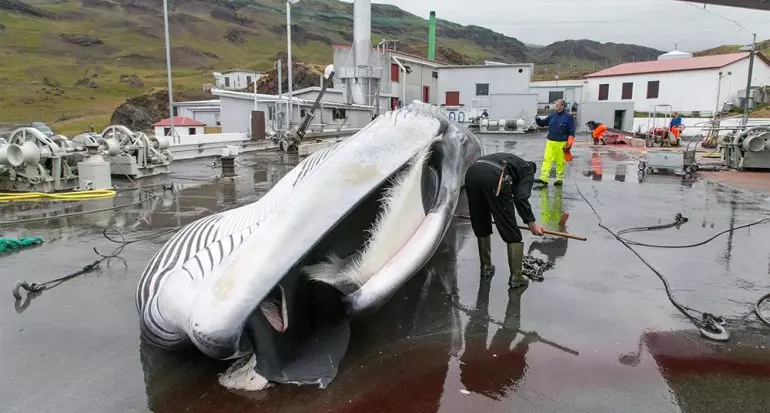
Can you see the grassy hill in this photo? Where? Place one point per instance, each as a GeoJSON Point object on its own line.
{"type": "Point", "coordinates": [72, 62]}
{"type": "Point", "coordinates": [762, 47]}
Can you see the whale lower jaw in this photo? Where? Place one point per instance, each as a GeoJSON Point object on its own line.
{"type": "Point", "coordinates": [401, 267]}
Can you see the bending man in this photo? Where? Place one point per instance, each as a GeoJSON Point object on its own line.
{"type": "Point", "coordinates": [597, 131]}
{"type": "Point", "coordinates": [561, 135]}
{"type": "Point", "coordinates": [481, 185]}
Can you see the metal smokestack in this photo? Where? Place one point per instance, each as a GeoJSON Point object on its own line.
{"type": "Point", "coordinates": [362, 43]}
{"type": "Point", "coordinates": [362, 31]}
{"type": "Point", "coordinates": [432, 37]}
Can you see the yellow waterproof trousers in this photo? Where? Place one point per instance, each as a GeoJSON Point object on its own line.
{"type": "Point", "coordinates": [554, 152]}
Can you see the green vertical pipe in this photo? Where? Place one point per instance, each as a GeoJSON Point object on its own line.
{"type": "Point", "coordinates": [432, 37]}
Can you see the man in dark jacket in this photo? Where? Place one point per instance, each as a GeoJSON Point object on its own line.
{"type": "Point", "coordinates": [499, 185]}
{"type": "Point", "coordinates": [561, 135]}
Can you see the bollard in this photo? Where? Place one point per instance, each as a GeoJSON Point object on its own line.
{"type": "Point", "coordinates": [228, 166]}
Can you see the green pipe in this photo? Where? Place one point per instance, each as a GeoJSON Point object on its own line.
{"type": "Point", "coordinates": [432, 37]}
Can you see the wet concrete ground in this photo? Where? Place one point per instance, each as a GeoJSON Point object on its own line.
{"type": "Point", "coordinates": [598, 334]}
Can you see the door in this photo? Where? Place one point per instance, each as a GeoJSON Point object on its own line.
{"type": "Point", "coordinates": [426, 94]}
{"type": "Point", "coordinates": [619, 116]}
{"type": "Point", "coordinates": [393, 103]}
{"type": "Point", "coordinates": [257, 124]}
{"type": "Point", "coordinates": [452, 99]}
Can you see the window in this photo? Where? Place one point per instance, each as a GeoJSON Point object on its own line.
{"type": "Point", "coordinates": [435, 75]}
{"type": "Point", "coordinates": [227, 81]}
{"type": "Point", "coordinates": [191, 131]}
{"type": "Point", "coordinates": [248, 80]}
{"type": "Point", "coordinates": [604, 91]}
{"type": "Point", "coordinates": [554, 96]}
{"type": "Point", "coordinates": [338, 114]}
{"type": "Point", "coordinates": [482, 89]}
{"type": "Point", "coordinates": [628, 91]}
{"type": "Point", "coordinates": [394, 70]}
{"type": "Point", "coordinates": [653, 88]}
{"type": "Point", "coordinates": [166, 131]}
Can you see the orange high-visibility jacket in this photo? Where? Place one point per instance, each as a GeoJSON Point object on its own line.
{"type": "Point", "coordinates": [599, 131]}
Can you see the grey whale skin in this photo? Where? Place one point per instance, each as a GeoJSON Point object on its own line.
{"type": "Point", "coordinates": [277, 280]}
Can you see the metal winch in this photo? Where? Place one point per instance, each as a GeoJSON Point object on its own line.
{"type": "Point", "coordinates": [135, 153]}
{"type": "Point", "coordinates": [32, 161]}
{"type": "Point", "coordinates": [748, 149]}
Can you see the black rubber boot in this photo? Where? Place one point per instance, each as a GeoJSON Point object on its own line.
{"type": "Point", "coordinates": [541, 182]}
{"type": "Point", "coordinates": [485, 256]}
{"type": "Point", "coordinates": [515, 263]}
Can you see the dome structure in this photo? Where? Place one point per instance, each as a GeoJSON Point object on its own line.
{"type": "Point", "coordinates": [675, 54]}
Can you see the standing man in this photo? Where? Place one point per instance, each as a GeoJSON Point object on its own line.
{"type": "Point", "coordinates": [561, 135]}
{"type": "Point", "coordinates": [513, 178]}
{"type": "Point", "coordinates": [676, 125]}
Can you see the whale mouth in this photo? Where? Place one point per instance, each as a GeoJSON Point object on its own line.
{"type": "Point", "coordinates": [300, 331]}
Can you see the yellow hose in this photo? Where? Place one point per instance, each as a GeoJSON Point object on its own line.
{"type": "Point", "coordinates": [62, 196]}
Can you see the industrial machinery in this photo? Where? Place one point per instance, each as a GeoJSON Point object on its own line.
{"type": "Point", "coordinates": [484, 125]}
{"type": "Point", "coordinates": [748, 149]}
{"type": "Point", "coordinates": [32, 161]}
{"type": "Point", "coordinates": [134, 153]}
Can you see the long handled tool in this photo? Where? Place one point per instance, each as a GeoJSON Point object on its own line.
{"type": "Point", "coordinates": [500, 181]}
{"type": "Point", "coordinates": [545, 231]}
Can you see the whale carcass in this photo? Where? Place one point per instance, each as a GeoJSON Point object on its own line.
{"type": "Point", "coordinates": [275, 281]}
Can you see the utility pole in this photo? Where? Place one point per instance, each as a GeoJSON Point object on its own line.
{"type": "Point", "coordinates": [168, 70]}
{"type": "Point", "coordinates": [748, 82]}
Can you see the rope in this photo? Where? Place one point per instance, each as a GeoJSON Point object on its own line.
{"type": "Point", "coordinates": [39, 287]}
{"type": "Point", "coordinates": [62, 196]}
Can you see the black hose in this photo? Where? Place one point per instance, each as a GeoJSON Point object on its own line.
{"type": "Point", "coordinates": [756, 308]}
{"type": "Point", "coordinates": [681, 308]}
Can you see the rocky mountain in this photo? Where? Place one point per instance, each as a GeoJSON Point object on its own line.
{"type": "Point", "coordinates": [72, 62]}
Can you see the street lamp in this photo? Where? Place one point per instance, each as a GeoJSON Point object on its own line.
{"type": "Point", "coordinates": [719, 90]}
{"type": "Point", "coordinates": [288, 45]}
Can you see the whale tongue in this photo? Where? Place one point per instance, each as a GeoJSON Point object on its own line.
{"type": "Point", "coordinates": [274, 310]}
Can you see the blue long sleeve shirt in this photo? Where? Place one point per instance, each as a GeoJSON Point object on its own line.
{"type": "Point", "coordinates": [677, 121]}
{"type": "Point", "coordinates": [561, 125]}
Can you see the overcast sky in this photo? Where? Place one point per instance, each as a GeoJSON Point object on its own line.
{"type": "Point", "coordinates": [655, 23]}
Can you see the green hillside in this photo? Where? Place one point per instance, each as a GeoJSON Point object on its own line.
{"type": "Point", "coordinates": [71, 62]}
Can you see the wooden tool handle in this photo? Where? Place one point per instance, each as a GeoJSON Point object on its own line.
{"type": "Point", "coordinates": [545, 231]}
{"type": "Point", "coordinates": [559, 234]}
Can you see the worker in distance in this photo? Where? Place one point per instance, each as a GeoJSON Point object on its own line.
{"type": "Point", "coordinates": [500, 185]}
{"type": "Point", "coordinates": [597, 131]}
{"type": "Point", "coordinates": [561, 136]}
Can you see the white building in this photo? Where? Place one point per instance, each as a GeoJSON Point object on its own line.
{"type": "Point", "coordinates": [183, 127]}
{"type": "Point", "coordinates": [236, 79]}
{"type": "Point", "coordinates": [238, 110]}
{"type": "Point", "coordinates": [503, 90]}
{"type": "Point", "coordinates": [205, 111]}
{"type": "Point", "coordinates": [550, 91]}
{"type": "Point", "coordinates": [688, 84]}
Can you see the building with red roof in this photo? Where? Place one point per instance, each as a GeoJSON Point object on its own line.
{"type": "Point", "coordinates": [182, 125]}
{"type": "Point", "coordinates": [689, 84]}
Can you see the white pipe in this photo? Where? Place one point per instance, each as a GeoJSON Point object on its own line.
{"type": "Point", "coordinates": [403, 80]}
